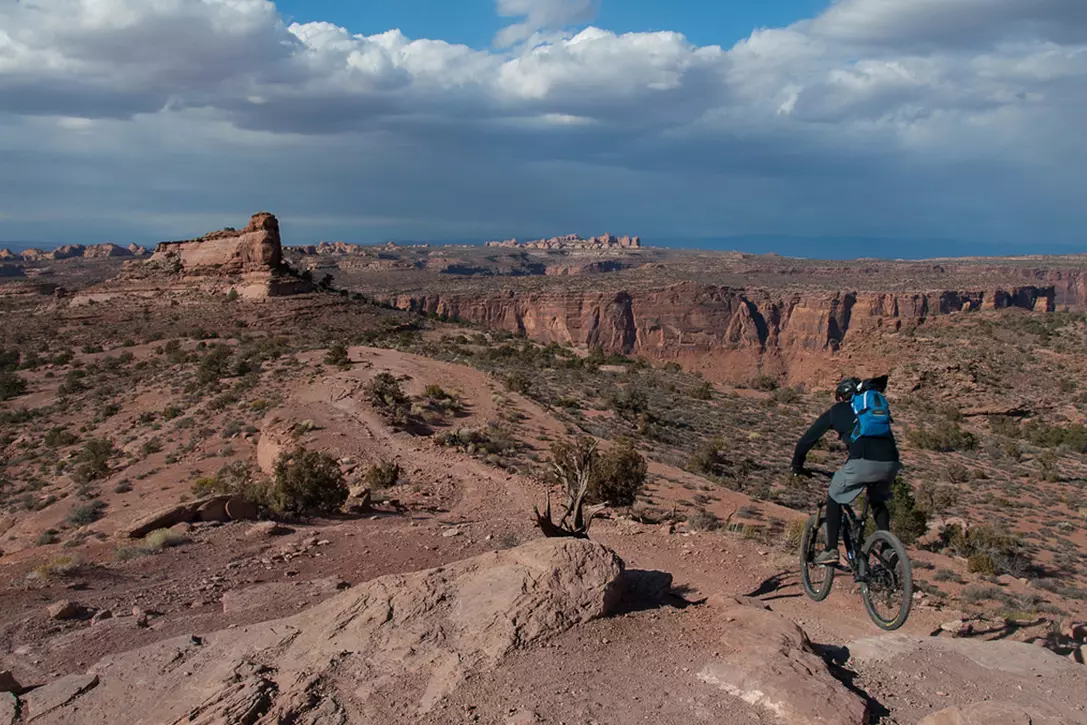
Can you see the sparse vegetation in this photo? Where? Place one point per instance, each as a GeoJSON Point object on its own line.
{"type": "Point", "coordinates": [11, 385]}
{"type": "Point", "coordinates": [153, 543]}
{"type": "Point", "coordinates": [306, 483]}
{"type": "Point", "coordinates": [389, 399]}
{"type": "Point", "coordinates": [87, 513]}
{"type": "Point", "coordinates": [382, 475]}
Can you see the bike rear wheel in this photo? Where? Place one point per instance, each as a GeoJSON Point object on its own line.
{"type": "Point", "coordinates": [816, 579]}
{"type": "Point", "coordinates": [888, 587]}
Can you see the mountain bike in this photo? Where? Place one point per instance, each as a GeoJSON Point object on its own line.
{"type": "Point", "coordinates": [879, 564]}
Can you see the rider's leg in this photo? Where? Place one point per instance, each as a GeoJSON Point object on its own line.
{"type": "Point", "coordinates": [882, 514]}
{"type": "Point", "coordinates": [834, 525]}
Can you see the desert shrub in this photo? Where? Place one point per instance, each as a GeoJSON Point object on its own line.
{"type": "Point", "coordinates": [615, 477]}
{"type": "Point", "coordinates": [981, 564]}
{"type": "Point", "coordinates": [214, 365]}
{"type": "Point", "coordinates": [153, 543]}
{"type": "Point", "coordinates": [58, 566]}
{"type": "Point", "coordinates": [618, 476]}
{"type": "Point", "coordinates": [150, 447]}
{"type": "Point", "coordinates": [385, 394]}
{"type": "Point", "coordinates": [985, 549]}
{"type": "Point", "coordinates": [337, 356]}
{"type": "Point", "coordinates": [381, 475]}
{"type": "Point", "coordinates": [703, 520]}
{"type": "Point", "coordinates": [946, 575]}
{"type": "Point", "coordinates": [935, 499]}
{"type": "Point", "coordinates": [786, 396]}
{"type": "Point", "coordinates": [306, 482]}
{"type": "Point", "coordinates": [630, 403]}
{"type": "Point", "coordinates": [1073, 437]}
{"type": "Point", "coordinates": [908, 521]}
{"type": "Point", "coordinates": [47, 537]}
{"type": "Point", "coordinates": [708, 460]}
{"type": "Point", "coordinates": [765, 383]}
{"type": "Point", "coordinates": [957, 472]}
{"type": "Point", "coordinates": [94, 460]}
{"type": "Point", "coordinates": [441, 403]}
{"type": "Point", "coordinates": [58, 437]}
{"type": "Point", "coordinates": [9, 359]}
{"type": "Point", "coordinates": [87, 513]}
{"type": "Point", "coordinates": [236, 478]}
{"type": "Point", "coordinates": [11, 385]}
{"type": "Point", "coordinates": [702, 391]}
{"type": "Point", "coordinates": [1005, 426]}
{"type": "Point", "coordinates": [944, 436]}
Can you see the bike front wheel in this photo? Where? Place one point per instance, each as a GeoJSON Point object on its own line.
{"type": "Point", "coordinates": [888, 586]}
{"type": "Point", "coordinates": [815, 578]}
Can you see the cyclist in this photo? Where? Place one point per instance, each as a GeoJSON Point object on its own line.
{"type": "Point", "coordinates": [873, 465]}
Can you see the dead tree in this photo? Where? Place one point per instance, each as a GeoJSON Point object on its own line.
{"type": "Point", "coordinates": [572, 467]}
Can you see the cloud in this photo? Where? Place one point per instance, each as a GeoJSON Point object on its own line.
{"type": "Point", "coordinates": [903, 117]}
{"type": "Point", "coordinates": [542, 15]}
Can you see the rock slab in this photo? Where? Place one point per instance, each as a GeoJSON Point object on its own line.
{"type": "Point", "coordinates": [411, 636]}
{"type": "Point", "coordinates": [48, 698]}
{"type": "Point", "coordinates": [767, 661]}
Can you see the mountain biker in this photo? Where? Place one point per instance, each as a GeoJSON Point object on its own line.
{"type": "Point", "coordinates": [872, 465]}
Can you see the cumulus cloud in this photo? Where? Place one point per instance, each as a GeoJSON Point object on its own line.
{"type": "Point", "coordinates": [542, 15]}
{"type": "Point", "coordinates": [926, 117]}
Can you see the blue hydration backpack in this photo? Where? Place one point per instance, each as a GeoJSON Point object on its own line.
{"type": "Point", "coordinates": [873, 414]}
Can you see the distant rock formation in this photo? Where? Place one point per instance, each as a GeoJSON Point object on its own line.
{"type": "Point", "coordinates": [74, 251]}
{"type": "Point", "coordinates": [341, 249]}
{"type": "Point", "coordinates": [257, 248]}
{"type": "Point", "coordinates": [574, 242]}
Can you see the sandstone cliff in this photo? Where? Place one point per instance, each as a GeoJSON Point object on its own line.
{"type": "Point", "coordinates": [257, 248]}
{"type": "Point", "coordinates": [688, 320]}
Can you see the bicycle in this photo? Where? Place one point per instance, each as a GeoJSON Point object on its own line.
{"type": "Point", "coordinates": [883, 569]}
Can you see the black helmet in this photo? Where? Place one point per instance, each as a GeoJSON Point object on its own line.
{"type": "Point", "coordinates": [847, 388]}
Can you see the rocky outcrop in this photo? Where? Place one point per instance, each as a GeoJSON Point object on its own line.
{"type": "Point", "coordinates": [256, 248]}
{"type": "Point", "coordinates": [573, 242]}
{"type": "Point", "coordinates": [768, 661]}
{"type": "Point", "coordinates": [691, 318]}
{"type": "Point", "coordinates": [415, 635]}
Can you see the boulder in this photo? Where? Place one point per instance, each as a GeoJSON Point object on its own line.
{"type": "Point", "coordinates": [767, 661]}
{"type": "Point", "coordinates": [101, 616]}
{"type": "Point", "coordinates": [213, 510]}
{"type": "Point", "coordinates": [989, 713]}
{"type": "Point", "coordinates": [268, 528]}
{"type": "Point", "coordinates": [404, 638]}
{"type": "Point", "coordinates": [45, 700]}
{"type": "Point", "coordinates": [170, 516]}
{"type": "Point", "coordinates": [239, 508]}
{"type": "Point", "coordinates": [64, 609]}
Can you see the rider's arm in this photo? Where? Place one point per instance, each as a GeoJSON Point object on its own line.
{"type": "Point", "coordinates": [809, 439]}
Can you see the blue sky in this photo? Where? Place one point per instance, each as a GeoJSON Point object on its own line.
{"type": "Point", "coordinates": [475, 23]}
{"type": "Point", "coordinates": [945, 125]}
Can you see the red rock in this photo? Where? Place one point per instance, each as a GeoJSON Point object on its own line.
{"type": "Point", "coordinates": [257, 248]}
{"type": "Point", "coordinates": [767, 661]}
{"type": "Point", "coordinates": [64, 609]}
